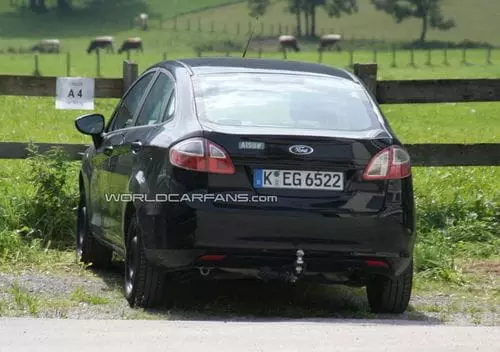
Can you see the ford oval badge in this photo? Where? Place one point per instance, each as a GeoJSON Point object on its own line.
{"type": "Point", "coordinates": [300, 149]}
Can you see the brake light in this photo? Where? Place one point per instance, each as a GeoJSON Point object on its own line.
{"type": "Point", "coordinates": [200, 154]}
{"type": "Point", "coordinates": [377, 263]}
{"type": "Point", "coordinates": [389, 164]}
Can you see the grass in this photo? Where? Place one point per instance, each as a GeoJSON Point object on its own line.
{"type": "Point", "coordinates": [476, 21]}
{"type": "Point", "coordinates": [84, 65]}
{"type": "Point", "coordinates": [81, 296]}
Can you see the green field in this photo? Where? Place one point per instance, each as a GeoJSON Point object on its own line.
{"type": "Point", "coordinates": [476, 21]}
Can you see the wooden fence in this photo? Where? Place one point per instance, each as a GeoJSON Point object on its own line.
{"type": "Point", "coordinates": [386, 92]}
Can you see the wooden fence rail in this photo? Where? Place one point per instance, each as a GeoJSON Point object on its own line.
{"type": "Point", "coordinates": [386, 92]}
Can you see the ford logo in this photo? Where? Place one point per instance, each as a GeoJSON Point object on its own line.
{"type": "Point", "coordinates": [300, 149]}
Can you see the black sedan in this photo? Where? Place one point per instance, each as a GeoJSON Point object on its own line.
{"type": "Point", "coordinates": [224, 167]}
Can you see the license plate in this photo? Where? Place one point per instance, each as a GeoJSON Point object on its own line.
{"type": "Point", "coordinates": [321, 180]}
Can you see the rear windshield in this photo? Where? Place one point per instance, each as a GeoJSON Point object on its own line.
{"type": "Point", "coordinates": [284, 101]}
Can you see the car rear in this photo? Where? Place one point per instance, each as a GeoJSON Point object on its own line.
{"type": "Point", "coordinates": [295, 163]}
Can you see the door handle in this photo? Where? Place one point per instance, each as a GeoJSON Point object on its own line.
{"type": "Point", "coordinates": [108, 150]}
{"type": "Point", "coordinates": [136, 147]}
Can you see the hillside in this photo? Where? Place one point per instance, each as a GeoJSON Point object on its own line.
{"type": "Point", "coordinates": [477, 20]}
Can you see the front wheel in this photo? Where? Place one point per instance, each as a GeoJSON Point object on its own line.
{"type": "Point", "coordinates": [88, 249]}
{"type": "Point", "coordinates": [390, 295]}
{"type": "Point", "coordinates": [145, 284]}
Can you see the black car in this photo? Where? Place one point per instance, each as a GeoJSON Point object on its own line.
{"type": "Point", "coordinates": [278, 170]}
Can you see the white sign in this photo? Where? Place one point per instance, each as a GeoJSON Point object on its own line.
{"type": "Point", "coordinates": [75, 93]}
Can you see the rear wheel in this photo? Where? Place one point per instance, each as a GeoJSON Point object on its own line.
{"type": "Point", "coordinates": [145, 284]}
{"type": "Point", "coordinates": [88, 249]}
{"type": "Point", "coordinates": [390, 295]}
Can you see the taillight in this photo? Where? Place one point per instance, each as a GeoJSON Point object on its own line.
{"type": "Point", "coordinates": [200, 154]}
{"type": "Point", "coordinates": [389, 164]}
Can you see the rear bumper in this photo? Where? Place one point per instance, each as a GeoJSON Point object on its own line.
{"type": "Point", "coordinates": [340, 243]}
{"type": "Point", "coordinates": [326, 266]}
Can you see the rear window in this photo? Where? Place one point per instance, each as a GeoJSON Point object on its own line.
{"type": "Point", "coordinates": [284, 101]}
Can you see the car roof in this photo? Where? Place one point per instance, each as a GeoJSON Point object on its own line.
{"type": "Point", "coordinates": [230, 64]}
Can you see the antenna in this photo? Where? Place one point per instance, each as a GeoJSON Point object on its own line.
{"type": "Point", "coordinates": [249, 38]}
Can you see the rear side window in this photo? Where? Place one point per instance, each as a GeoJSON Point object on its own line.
{"type": "Point", "coordinates": [284, 101]}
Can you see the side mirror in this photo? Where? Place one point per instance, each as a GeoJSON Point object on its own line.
{"type": "Point", "coordinates": [91, 124]}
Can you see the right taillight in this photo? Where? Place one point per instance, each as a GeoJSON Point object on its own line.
{"type": "Point", "coordinates": [389, 164]}
{"type": "Point", "coordinates": [200, 154]}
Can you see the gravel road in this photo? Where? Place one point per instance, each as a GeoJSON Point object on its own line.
{"type": "Point", "coordinates": [40, 335]}
{"type": "Point", "coordinates": [98, 295]}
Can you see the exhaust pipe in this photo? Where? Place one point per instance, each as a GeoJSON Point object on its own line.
{"type": "Point", "coordinates": [205, 271]}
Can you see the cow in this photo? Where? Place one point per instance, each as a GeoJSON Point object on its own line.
{"type": "Point", "coordinates": [328, 41]}
{"type": "Point", "coordinates": [131, 44]}
{"type": "Point", "coordinates": [47, 46]}
{"type": "Point", "coordinates": [142, 21]}
{"type": "Point", "coordinates": [101, 43]}
{"type": "Point", "coordinates": [288, 42]}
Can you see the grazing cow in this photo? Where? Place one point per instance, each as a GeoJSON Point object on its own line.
{"type": "Point", "coordinates": [288, 42]}
{"type": "Point", "coordinates": [47, 46]}
{"type": "Point", "coordinates": [328, 41]}
{"type": "Point", "coordinates": [142, 21]}
{"type": "Point", "coordinates": [131, 44]}
{"type": "Point", "coordinates": [101, 43]}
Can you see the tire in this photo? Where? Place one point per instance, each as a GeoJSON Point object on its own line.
{"type": "Point", "coordinates": [145, 284]}
{"type": "Point", "coordinates": [88, 249]}
{"type": "Point", "coordinates": [390, 295]}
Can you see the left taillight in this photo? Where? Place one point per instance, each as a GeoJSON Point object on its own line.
{"type": "Point", "coordinates": [389, 164]}
{"type": "Point", "coordinates": [203, 155]}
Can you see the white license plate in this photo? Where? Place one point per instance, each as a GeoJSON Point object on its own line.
{"type": "Point", "coordinates": [323, 180]}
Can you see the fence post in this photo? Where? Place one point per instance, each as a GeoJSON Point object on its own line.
{"type": "Point", "coordinates": [412, 57]}
{"type": "Point", "coordinates": [351, 57]}
{"type": "Point", "coordinates": [37, 66]}
{"type": "Point", "coordinates": [488, 57]}
{"type": "Point", "coordinates": [393, 64]}
{"type": "Point", "coordinates": [368, 74]}
{"type": "Point", "coordinates": [130, 73]}
{"type": "Point", "coordinates": [375, 55]}
{"type": "Point", "coordinates": [445, 60]}
{"type": "Point", "coordinates": [128, 54]}
{"type": "Point", "coordinates": [68, 64]}
{"type": "Point", "coordinates": [283, 49]}
{"type": "Point", "coordinates": [260, 52]}
{"type": "Point", "coordinates": [98, 63]}
{"type": "Point", "coordinates": [320, 57]}
{"type": "Point", "coordinates": [164, 56]}
{"type": "Point", "coordinates": [429, 58]}
{"type": "Point", "coordinates": [464, 56]}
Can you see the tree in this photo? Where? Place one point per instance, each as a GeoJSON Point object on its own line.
{"type": "Point", "coordinates": [428, 11]}
{"type": "Point", "coordinates": [37, 6]}
{"type": "Point", "coordinates": [258, 7]}
{"type": "Point", "coordinates": [295, 7]}
{"type": "Point", "coordinates": [334, 8]}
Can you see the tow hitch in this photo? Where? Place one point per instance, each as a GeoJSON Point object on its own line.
{"type": "Point", "coordinates": [299, 266]}
{"type": "Point", "coordinates": [288, 273]}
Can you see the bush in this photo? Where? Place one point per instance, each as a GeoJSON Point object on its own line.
{"type": "Point", "coordinates": [49, 213]}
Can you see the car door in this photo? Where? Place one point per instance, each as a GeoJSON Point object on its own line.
{"type": "Point", "coordinates": [113, 145]}
{"type": "Point", "coordinates": [133, 162]}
